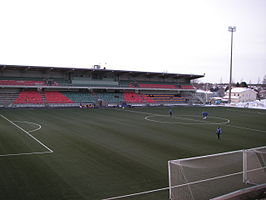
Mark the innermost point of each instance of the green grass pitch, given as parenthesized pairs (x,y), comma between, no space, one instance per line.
(102,153)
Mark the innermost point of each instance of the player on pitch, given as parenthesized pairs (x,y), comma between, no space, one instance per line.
(204,115)
(219,132)
(170,112)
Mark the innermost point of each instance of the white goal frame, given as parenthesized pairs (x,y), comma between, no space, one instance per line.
(254,162)
(249,169)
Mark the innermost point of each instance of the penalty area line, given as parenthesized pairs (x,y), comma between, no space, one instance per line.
(51,151)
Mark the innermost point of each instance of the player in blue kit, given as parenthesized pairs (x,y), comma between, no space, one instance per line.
(219,132)
(204,115)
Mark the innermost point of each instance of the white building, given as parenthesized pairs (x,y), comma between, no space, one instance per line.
(204,96)
(241,94)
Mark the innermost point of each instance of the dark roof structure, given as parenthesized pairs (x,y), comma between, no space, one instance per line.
(100,70)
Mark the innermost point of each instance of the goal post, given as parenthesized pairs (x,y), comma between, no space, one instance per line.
(205,177)
(254,166)
(178,184)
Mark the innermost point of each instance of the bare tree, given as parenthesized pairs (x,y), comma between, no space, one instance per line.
(258,80)
(264,79)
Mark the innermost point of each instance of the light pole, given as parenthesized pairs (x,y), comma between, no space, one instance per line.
(231,29)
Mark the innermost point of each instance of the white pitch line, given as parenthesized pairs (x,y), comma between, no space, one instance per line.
(27,133)
(197,122)
(140,112)
(253,112)
(226,124)
(166,188)
(30,131)
(138,193)
(203,122)
(29,153)
(241,127)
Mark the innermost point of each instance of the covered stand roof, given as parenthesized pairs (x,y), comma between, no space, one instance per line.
(103,71)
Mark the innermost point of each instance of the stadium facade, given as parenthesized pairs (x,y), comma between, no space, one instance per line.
(37,86)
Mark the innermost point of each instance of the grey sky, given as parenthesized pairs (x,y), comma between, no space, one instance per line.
(188,36)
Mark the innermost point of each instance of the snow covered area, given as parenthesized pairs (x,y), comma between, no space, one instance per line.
(203,91)
(240,89)
(258,104)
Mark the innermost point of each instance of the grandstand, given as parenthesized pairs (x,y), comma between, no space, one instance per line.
(115,153)
(33,86)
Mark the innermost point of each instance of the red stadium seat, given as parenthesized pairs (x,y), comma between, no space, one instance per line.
(157,86)
(131,97)
(21,82)
(187,87)
(56,97)
(29,97)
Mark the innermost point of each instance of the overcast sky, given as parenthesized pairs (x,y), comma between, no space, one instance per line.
(175,36)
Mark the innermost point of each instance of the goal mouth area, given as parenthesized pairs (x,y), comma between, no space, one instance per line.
(254,166)
(206,177)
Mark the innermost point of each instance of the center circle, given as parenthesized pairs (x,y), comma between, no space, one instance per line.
(186,119)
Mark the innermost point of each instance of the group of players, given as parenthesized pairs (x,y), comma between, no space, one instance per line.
(204,116)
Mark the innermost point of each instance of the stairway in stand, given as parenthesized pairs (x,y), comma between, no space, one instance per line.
(43,98)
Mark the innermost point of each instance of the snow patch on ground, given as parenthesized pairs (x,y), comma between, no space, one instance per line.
(258,104)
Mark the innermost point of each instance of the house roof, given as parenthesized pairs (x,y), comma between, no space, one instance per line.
(232,97)
(240,89)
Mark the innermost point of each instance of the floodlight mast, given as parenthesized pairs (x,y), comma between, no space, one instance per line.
(231,29)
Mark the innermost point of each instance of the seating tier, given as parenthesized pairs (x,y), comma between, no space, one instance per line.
(56,97)
(142,85)
(29,97)
(21,82)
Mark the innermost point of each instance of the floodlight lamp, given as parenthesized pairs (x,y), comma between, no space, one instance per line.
(232,28)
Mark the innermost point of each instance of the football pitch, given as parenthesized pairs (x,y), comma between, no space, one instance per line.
(52,154)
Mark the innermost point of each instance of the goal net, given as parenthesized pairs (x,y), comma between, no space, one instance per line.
(210,176)
(254,166)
